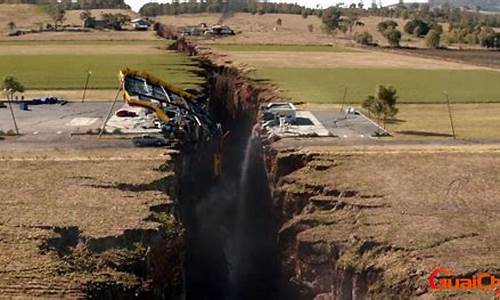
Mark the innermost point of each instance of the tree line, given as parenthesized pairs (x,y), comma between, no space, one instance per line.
(70,4)
(465,27)
(222,6)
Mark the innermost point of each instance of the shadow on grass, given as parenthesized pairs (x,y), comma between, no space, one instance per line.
(395,121)
(424,133)
(158,185)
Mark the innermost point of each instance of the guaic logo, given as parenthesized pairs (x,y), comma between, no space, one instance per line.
(443,279)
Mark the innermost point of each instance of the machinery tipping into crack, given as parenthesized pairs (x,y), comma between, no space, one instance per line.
(182,115)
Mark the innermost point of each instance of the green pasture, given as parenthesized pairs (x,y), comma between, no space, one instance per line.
(316,85)
(69,71)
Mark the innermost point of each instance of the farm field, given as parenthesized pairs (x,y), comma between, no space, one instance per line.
(281,48)
(68,71)
(413,86)
(472,121)
(104,197)
(322,76)
(478,57)
(59,67)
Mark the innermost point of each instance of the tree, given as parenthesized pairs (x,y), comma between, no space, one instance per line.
(384,26)
(432,39)
(417,27)
(10,87)
(84,15)
(393,37)
(12,26)
(383,104)
(331,19)
(350,21)
(364,38)
(56,13)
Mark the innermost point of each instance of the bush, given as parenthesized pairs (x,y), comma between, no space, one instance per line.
(364,38)
(432,39)
(383,27)
(310,28)
(471,39)
(417,27)
(393,37)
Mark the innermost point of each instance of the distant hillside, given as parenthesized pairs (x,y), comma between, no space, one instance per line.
(487,5)
(23,16)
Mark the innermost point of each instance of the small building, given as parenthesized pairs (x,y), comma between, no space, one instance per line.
(277,110)
(140,24)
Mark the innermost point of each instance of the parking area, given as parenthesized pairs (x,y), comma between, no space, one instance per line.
(285,120)
(347,125)
(55,119)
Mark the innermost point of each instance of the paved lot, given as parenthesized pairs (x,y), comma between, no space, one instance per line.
(56,119)
(50,127)
(347,126)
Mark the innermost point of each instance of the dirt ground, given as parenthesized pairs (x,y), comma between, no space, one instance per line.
(72,219)
(358,59)
(391,215)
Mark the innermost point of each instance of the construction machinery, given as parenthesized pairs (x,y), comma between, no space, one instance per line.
(183,116)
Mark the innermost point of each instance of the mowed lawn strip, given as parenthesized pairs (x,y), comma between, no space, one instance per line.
(70,71)
(282,48)
(319,85)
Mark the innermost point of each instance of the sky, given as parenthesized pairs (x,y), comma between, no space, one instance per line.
(137,4)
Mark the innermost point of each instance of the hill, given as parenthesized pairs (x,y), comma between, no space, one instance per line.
(23,15)
(73,16)
(486,5)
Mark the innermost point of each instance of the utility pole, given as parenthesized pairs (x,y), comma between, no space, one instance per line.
(106,119)
(12,111)
(86,85)
(451,116)
(343,99)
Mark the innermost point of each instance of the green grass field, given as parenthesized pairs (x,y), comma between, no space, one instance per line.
(472,121)
(282,48)
(53,72)
(414,86)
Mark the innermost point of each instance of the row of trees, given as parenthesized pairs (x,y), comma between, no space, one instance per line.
(222,6)
(74,4)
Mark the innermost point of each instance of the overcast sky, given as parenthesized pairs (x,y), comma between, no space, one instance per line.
(137,4)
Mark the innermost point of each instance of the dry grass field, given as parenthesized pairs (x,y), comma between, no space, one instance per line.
(396,214)
(23,15)
(356,59)
(73,16)
(70,219)
(258,29)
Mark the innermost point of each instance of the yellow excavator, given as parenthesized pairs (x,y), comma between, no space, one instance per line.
(182,115)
